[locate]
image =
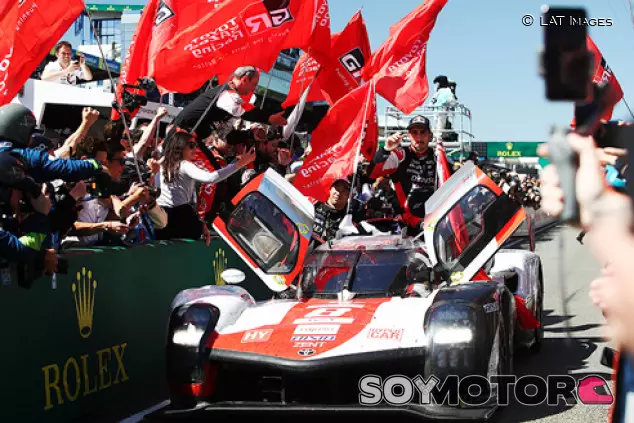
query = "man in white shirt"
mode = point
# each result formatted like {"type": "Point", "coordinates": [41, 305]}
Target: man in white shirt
{"type": "Point", "coordinates": [65, 71]}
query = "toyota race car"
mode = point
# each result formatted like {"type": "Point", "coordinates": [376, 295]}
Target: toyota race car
{"type": "Point", "coordinates": [449, 302]}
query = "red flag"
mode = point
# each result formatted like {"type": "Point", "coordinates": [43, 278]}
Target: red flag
{"type": "Point", "coordinates": [328, 161]}
{"type": "Point", "coordinates": [40, 24]}
{"type": "Point", "coordinates": [398, 66]}
{"type": "Point", "coordinates": [371, 139]}
{"type": "Point", "coordinates": [239, 32]}
{"type": "Point", "coordinates": [319, 42]}
{"type": "Point", "coordinates": [304, 74]}
{"type": "Point", "coordinates": [9, 13]}
{"type": "Point", "coordinates": [350, 51]}
{"type": "Point", "coordinates": [602, 73]}
{"type": "Point", "coordinates": [135, 65]}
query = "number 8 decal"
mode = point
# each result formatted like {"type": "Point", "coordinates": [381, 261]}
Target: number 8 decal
{"type": "Point", "coordinates": [328, 312]}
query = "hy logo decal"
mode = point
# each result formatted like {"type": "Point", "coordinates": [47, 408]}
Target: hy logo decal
{"type": "Point", "coordinates": [84, 295]}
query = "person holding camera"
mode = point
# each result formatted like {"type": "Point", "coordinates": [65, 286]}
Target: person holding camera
{"type": "Point", "coordinates": [178, 177]}
{"type": "Point", "coordinates": [66, 69]}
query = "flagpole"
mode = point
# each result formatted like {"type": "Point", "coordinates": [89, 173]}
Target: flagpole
{"type": "Point", "coordinates": [119, 106]}
{"type": "Point", "coordinates": [301, 89]}
{"type": "Point", "coordinates": [628, 108]}
{"type": "Point", "coordinates": [266, 90]}
{"type": "Point", "coordinates": [356, 159]}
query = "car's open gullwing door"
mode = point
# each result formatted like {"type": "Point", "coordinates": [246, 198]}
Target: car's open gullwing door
{"type": "Point", "coordinates": [467, 220]}
{"type": "Point", "coordinates": [269, 226]}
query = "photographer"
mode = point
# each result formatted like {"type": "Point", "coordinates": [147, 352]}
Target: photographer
{"type": "Point", "coordinates": [66, 69]}
{"type": "Point", "coordinates": [21, 241]}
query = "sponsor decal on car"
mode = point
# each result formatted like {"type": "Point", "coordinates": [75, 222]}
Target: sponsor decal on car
{"type": "Point", "coordinates": [306, 352]}
{"type": "Point", "coordinates": [313, 338]}
{"type": "Point", "coordinates": [327, 315]}
{"type": "Point", "coordinates": [308, 344]}
{"type": "Point", "coordinates": [256, 335]}
{"type": "Point", "coordinates": [389, 334]}
{"type": "Point", "coordinates": [303, 228]}
{"type": "Point", "coordinates": [280, 280]}
{"type": "Point", "coordinates": [317, 329]}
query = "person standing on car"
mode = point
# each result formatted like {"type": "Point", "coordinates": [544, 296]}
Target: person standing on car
{"type": "Point", "coordinates": [412, 170]}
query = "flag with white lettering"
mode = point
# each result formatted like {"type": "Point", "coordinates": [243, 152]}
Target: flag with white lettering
{"type": "Point", "coordinates": [30, 36]}
{"type": "Point", "coordinates": [238, 33]}
{"type": "Point", "coordinates": [336, 143]}
{"type": "Point", "coordinates": [398, 66]}
{"type": "Point", "coordinates": [601, 73]}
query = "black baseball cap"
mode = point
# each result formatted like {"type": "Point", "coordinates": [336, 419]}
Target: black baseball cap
{"type": "Point", "coordinates": [418, 121]}
{"type": "Point", "coordinates": [341, 181]}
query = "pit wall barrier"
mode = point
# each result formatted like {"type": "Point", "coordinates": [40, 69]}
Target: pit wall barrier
{"type": "Point", "coordinates": [540, 220]}
{"type": "Point", "coordinates": [93, 345]}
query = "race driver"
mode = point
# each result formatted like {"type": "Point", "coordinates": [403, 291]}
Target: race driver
{"type": "Point", "coordinates": [412, 170]}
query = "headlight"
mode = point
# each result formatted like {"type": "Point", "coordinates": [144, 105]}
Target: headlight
{"type": "Point", "coordinates": [189, 337]}
{"type": "Point", "coordinates": [190, 323]}
{"type": "Point", "coordinates": [453, 336]}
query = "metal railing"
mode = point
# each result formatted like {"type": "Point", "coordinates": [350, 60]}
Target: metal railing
{"type": "Point", "coordinates": [458, 138]}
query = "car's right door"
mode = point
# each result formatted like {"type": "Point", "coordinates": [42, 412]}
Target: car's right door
{"type": "Point", "coordinates": [467, 220]}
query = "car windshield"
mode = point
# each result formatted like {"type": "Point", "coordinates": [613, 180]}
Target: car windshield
{"type": "Point", "coordinates": [379, 272]}
{"type": "Point", "coordinates": [462, 225]}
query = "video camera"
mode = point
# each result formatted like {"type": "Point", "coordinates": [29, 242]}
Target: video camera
{"type": "Point", "coordinates": [567, 66]}
{"type": "Point", "coordinates": [133, 97]}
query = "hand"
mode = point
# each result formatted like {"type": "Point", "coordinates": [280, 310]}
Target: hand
{"type": "Point", "coordinates": [133, 220]}
{"type": "Point", "coordinates": [247, 158]}
{"type": "Point", "coordinates": [82, 60]}
{"type": "Point", "coordinates": [284, 157]}
{"type": "Point", "coordinates": [89, 115]}
{"type": "Point", "coordinates": [50, 262]}
{"type": "Point", "coordinates": [72, 68]}
{"type": "Point", "coordinates": [154, 166]}
{"type": "Point", "coordinates": [609, 155]}
{"type": "Point", "coordinates": [393, 141]}
{"type": "Point", "coordinates": [590, 179]}
{"type": "Point", "coordinates": [206, 235]}
{"type": "Point", "coordinates": [79, 190]}
{"type": "Point", "coordinates": [117, 228]}
{"type": "Point", "coordinates": [42, 204]}
{"type": "Point", "coordinates": [278, 119]}
{"type": "Point", "coordinates": [161, 112]}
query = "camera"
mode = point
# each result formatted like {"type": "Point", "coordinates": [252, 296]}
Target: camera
{"type": "Point", "coordinates": [133, 97]}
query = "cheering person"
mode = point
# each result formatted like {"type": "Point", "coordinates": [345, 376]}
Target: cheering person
{"type": "Point", "coordinates": [178, 177]}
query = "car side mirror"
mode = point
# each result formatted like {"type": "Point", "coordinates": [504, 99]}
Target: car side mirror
{"type": "Point", "coordinates": [233, 276]}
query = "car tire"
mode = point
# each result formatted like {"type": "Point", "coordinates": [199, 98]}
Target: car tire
{"type": "Point", "coordinates": [538, 339]}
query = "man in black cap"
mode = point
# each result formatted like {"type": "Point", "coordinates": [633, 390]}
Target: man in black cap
{"type": "Point", "coordinates": [412, 169]}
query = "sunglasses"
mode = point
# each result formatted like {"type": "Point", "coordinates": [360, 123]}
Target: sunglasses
{"type": "Point", "coordinates": [191, 145]}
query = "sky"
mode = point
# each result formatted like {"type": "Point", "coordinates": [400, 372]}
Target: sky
{"type": "Point", "coordinates": [485, 48]}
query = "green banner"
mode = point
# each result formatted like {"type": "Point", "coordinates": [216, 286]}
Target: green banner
{"type": "Point", "coordinates": [522, 149]}
{"type": "Point", "coordinates": [113, 7]}
{"type": "Point", "coordinates": [93, 346]}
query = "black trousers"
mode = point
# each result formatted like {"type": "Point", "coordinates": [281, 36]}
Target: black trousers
{"type": "Point", "coordinates": [182, 222]}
